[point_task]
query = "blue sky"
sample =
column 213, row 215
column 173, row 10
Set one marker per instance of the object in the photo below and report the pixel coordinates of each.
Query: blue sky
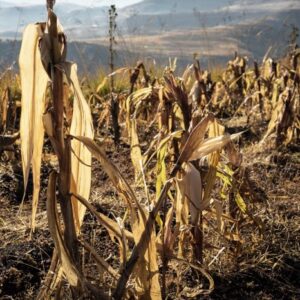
column 119, row 3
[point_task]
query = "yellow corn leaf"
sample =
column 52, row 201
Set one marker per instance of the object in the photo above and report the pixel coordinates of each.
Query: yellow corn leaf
column 225, row 178
column 4, row 108
column 122, row 243
column 276, row 117
column 240, row 202
column 195, row 93
column 82, row 125
column 101, row 85
column 34, row 81
column 162, row 143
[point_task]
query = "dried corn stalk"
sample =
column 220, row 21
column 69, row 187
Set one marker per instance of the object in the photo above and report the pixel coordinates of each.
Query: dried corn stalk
column 43, row 56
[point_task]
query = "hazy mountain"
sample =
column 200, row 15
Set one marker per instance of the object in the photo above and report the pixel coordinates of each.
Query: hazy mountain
column 145, row 17
column 176, row 6
column 152, row 16
column 162, row 28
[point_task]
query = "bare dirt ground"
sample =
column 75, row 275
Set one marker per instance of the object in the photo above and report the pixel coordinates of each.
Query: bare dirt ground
column 267, row 265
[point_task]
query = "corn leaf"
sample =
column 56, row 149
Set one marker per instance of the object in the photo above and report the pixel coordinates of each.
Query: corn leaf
column 68, row 266
column 135, row 150
column 161, row 175
column 195, row 139
column 191, row 186
column 147, row 278
column 34, row 81
column 81, row 125
column 213, row 144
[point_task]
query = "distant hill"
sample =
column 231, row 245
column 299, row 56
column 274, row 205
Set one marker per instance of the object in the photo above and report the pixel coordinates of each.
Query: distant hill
column 153, row 16
column 158, row 29
column 156, row 7
column 146, row 17
column 272, row 32
column 90, row 58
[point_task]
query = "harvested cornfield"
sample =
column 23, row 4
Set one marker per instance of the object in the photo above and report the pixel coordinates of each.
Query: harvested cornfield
column 197, row 197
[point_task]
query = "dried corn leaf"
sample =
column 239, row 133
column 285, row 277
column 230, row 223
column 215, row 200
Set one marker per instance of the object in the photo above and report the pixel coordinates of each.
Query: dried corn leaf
column 34, row 81
column 121, row 71
column 169, row 236
column 215, row 130
column 219, row 213
column 146, row 272
column 182, row 215
column 161, row 173
column 135, row 150
column 100, row 261
column 213, row 144
column 194, row 293
column 141, row 248
column 191, row 186
column 174, row 135
column 114, row 174
column 82, row 125
column 195, row 139
column 111, row 226
column 147, row 280
column 68, row 266
column 284, row 118
column 4, row 108
column 234, row 156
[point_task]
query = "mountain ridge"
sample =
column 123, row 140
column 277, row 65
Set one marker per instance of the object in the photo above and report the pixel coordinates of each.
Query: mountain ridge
column 179, row 32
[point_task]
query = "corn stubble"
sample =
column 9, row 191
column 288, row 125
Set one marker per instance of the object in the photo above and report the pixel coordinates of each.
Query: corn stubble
column 189, row 157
